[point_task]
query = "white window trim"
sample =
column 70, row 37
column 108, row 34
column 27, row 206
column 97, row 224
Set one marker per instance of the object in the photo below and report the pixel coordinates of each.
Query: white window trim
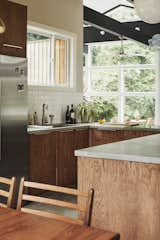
column 48, row 31
column 121, row 94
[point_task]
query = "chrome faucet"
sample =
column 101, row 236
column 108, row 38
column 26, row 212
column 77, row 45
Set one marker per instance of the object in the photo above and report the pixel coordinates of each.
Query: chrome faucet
column 44, row 107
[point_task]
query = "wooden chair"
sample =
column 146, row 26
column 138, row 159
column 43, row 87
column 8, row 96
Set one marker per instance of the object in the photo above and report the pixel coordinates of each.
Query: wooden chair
column 82, row 210
column 7, row 194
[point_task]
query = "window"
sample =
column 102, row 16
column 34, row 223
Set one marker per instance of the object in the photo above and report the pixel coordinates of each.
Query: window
column 50, row 59
column 126, row 80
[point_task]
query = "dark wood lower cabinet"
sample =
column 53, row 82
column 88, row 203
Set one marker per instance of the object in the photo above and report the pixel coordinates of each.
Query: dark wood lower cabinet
column 81, row 141
column 42, row 162
column 67, row 142
column 99, row 137
column 52, row 157
column 65, row 158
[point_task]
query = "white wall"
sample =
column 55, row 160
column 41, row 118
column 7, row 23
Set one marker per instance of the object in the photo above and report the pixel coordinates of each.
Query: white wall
column 68, row 16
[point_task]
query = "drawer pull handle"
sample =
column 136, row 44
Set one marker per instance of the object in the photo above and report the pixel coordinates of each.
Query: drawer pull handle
column 12, row 46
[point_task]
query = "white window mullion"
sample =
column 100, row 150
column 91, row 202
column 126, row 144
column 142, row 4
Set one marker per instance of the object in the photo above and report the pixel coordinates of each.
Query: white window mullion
column 157, row 106
column 121, row 102
column 52, row 61
column 88, row 71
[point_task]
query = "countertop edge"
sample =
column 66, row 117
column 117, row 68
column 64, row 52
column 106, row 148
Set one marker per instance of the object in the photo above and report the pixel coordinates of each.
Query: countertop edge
column 116, row 157
column 91, row 126
column 132, row 150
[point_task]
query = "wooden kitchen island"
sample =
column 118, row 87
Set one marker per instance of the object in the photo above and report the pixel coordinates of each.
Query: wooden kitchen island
column 126, row 180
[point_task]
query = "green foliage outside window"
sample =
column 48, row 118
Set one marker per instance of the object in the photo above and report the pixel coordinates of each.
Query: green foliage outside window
column 144, row 105
column 109, row 54
column 135, row 79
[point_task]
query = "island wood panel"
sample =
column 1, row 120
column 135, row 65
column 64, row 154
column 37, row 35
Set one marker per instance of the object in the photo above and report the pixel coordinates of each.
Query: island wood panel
column 127, row 196
column 42, row 158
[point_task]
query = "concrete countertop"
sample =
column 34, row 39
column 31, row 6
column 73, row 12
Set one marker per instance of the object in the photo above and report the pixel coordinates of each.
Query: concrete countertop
column 143, row 149
column 44, row 130
column 109, row 127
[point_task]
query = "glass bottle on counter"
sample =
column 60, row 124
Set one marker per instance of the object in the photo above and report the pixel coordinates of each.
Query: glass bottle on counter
column 72, row 115
column 68, row 115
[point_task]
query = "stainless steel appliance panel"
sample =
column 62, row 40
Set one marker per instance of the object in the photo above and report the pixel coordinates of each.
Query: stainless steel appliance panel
column 13, row 117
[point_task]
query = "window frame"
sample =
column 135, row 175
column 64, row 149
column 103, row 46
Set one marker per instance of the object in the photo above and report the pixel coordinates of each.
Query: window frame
column 121, row 94
column 71, row 38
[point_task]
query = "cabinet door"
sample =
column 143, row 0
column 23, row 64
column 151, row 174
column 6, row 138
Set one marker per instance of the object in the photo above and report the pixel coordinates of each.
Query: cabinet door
column 65, row 158
column 81, row 138
column 99, row 137
column 13, row 41
column 129, row 134
column 42, row 162
column 3, row 18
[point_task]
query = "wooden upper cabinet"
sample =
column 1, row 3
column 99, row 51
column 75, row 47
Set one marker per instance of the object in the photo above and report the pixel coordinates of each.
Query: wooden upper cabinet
column 13, row 40
column 3, row 15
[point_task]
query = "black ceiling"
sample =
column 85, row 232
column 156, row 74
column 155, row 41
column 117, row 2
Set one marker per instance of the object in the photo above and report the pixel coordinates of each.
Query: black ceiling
column 114, row 29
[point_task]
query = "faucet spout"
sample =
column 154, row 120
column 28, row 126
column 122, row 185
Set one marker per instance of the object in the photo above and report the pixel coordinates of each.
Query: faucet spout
column 44, row 107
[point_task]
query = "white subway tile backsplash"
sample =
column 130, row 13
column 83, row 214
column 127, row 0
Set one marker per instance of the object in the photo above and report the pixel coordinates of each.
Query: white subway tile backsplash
column 57, row 102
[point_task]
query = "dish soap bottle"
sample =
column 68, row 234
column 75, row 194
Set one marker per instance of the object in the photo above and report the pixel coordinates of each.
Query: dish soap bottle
column 35, row 118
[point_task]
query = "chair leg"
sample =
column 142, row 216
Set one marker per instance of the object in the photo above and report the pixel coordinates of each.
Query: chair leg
column 117, row 237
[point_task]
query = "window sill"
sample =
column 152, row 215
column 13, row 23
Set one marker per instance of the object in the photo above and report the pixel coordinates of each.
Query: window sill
column 52, row 88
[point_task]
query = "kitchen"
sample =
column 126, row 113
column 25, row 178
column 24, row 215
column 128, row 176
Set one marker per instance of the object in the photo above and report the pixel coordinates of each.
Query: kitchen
column 83, row 58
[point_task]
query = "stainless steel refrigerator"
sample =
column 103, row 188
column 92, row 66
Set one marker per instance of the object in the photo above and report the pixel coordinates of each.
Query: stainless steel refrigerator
column 13, row 117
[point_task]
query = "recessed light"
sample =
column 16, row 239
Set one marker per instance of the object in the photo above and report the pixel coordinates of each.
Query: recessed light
column 137, row 28
column 102, row 33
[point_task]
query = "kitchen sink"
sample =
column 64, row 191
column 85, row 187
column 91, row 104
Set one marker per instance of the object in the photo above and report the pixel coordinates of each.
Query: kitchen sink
column 55, row 125
column 40, row 127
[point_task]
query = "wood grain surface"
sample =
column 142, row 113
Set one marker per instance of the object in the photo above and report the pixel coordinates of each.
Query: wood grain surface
column 15, row 18
column 127, row 196
column 42, row 160
column 99, row 137
column 15, row 225
column 65, row 158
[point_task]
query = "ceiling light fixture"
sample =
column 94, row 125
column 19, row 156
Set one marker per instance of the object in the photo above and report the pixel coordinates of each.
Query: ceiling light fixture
column 2, row 26
column 148, row 10
column 122, row 53
column 137, row 28
column 102, row 33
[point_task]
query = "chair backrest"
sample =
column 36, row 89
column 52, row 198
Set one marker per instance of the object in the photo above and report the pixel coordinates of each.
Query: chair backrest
column 8, row 194
column 84, row 211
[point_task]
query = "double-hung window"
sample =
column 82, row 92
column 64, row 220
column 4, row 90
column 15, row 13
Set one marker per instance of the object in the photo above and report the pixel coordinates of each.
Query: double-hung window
column 50, row 59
